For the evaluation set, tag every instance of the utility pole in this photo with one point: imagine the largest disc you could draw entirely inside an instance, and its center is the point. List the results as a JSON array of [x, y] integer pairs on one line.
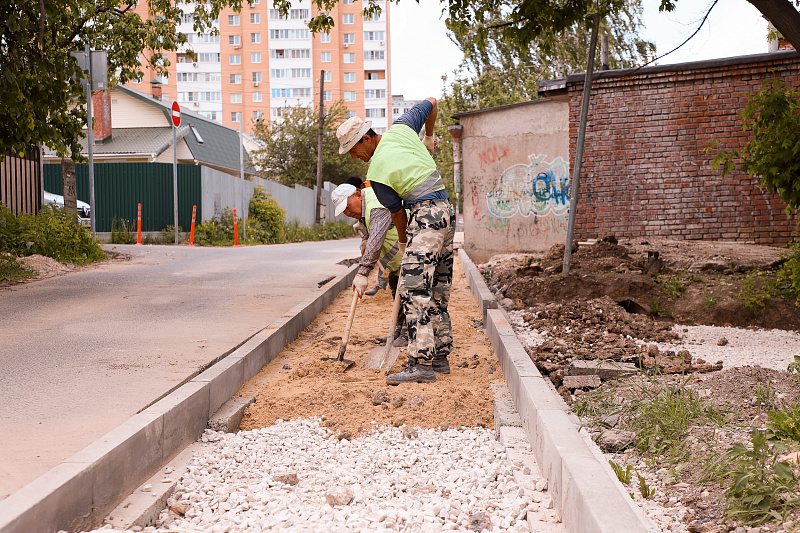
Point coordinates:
[[318, 218], [576, 173]]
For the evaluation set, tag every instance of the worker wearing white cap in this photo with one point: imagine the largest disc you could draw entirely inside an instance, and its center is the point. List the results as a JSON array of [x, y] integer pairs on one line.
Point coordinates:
[[380, 238], [403, 175]]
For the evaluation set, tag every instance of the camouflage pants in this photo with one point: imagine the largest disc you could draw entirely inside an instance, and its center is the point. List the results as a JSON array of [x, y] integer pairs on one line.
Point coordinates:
[[426, 274]]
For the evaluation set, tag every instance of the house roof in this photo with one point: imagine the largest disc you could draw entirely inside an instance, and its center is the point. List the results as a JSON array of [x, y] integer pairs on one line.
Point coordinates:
[[220, 146]]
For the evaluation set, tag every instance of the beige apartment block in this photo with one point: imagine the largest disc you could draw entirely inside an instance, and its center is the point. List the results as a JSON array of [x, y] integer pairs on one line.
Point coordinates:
[[261, 63]]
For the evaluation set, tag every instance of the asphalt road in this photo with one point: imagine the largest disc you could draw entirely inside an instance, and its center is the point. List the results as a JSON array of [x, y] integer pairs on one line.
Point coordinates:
[[81, 353]]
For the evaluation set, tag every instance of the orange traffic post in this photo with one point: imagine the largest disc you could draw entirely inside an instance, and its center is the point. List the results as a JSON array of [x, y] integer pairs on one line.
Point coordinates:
[[191, 235], [139, 226], [235, 230]]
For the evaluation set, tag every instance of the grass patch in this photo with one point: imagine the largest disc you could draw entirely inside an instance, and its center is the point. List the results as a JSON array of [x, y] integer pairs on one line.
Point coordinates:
[[12, 270]]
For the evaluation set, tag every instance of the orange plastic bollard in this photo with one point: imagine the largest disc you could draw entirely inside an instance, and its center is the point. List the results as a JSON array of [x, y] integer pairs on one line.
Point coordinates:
[[139, 226], [235, 230], [191, 235]]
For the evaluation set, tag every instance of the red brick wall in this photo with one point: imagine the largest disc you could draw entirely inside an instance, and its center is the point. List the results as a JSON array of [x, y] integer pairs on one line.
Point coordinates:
[[644, 170]]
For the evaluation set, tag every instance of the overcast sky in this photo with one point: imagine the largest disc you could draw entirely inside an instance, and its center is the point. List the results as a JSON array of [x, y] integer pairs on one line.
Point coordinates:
[[421, 52]]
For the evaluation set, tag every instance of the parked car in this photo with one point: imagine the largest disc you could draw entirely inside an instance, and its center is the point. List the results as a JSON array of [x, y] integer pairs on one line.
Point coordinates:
[[84, 210]]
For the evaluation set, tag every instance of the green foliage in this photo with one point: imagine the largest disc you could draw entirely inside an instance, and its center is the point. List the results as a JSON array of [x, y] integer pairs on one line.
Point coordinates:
[[646, 491], [661, 416], [711, 300], [672, 286], [265, 223], [765, 395], [789, 274], [785, 424], [758, 287], [624, 475], [12, 270], [763, 488], [53, 233], [290, 150], [43, 80], [121, 232], [657, 310], [794, 367], [295, 232], [772, 118], [218, 231]]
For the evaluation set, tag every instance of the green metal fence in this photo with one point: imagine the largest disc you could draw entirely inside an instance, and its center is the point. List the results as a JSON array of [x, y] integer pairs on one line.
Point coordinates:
[[119, 187]]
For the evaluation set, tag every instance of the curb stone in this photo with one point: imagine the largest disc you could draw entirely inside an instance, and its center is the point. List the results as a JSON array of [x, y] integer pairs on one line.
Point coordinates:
[[587, 497]]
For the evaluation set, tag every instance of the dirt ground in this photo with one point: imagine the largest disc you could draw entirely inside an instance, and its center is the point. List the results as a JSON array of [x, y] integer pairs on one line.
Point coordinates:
[[618, 292], [297, 384]]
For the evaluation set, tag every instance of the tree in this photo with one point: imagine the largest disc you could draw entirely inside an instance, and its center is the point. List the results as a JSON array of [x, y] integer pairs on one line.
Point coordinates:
[[40, 86], [289, 155], [772, 117]]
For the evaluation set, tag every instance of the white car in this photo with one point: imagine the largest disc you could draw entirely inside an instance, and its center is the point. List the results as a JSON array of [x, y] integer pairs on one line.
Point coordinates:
[[84, 210]]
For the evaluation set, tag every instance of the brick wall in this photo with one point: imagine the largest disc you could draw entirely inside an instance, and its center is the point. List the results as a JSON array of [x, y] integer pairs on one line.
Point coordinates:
[[645, 172], [101, 112]]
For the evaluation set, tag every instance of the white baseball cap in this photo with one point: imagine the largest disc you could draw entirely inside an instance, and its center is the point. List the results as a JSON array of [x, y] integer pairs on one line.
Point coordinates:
[[339, 197], [350, 132]]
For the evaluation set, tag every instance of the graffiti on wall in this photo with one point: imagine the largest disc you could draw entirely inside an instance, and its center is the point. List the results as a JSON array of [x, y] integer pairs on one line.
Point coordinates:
[[538, 189]]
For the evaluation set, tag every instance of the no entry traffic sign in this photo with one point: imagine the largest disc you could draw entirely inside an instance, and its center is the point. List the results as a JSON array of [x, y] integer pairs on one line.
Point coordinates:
[[176, 114]]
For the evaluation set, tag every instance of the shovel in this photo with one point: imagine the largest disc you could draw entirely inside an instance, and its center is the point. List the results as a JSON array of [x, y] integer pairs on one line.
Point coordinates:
[[383, 357], [340, 359]]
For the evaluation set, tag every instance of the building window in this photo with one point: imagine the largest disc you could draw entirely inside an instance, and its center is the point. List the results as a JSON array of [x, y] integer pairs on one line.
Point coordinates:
[[289, 34], [372, 76], [375, 113], [255, 38], [235, 59], [349, 58], [349, 77], [257, 115], [349, 38], [373, 55], [255, 57], [328, 77], [374, 36], [327, 96], [324, 37], [256, 77], [236, 79], [236, 116], [347, 2], [349, 114], [326, 57], [277, 112], [373, 94], [349, 96], [208, 57], [255, 18], [234, 40], [375, 17], [348, 18], [233, 20], [236, 98], [257, 96]]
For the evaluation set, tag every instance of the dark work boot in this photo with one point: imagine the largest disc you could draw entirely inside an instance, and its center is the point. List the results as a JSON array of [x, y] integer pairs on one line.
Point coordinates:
[[441, 365], [412, 374]]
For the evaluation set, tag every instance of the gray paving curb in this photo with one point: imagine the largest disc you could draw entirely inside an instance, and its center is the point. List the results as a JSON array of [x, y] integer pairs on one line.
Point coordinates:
[[588, 499], [77, 494]]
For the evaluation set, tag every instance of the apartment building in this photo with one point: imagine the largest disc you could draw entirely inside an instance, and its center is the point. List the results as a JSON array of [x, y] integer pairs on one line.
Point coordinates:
[[260, 63]]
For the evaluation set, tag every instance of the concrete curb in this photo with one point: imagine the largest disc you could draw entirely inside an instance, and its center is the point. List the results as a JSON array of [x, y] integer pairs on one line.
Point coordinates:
[[588, 499], [77, 494]]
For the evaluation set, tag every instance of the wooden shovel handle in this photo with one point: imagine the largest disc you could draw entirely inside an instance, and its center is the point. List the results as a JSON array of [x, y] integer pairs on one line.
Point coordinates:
[[350, 316]]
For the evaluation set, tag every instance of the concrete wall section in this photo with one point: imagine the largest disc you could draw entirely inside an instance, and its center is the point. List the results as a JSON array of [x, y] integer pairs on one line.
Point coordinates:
[[516, 178]]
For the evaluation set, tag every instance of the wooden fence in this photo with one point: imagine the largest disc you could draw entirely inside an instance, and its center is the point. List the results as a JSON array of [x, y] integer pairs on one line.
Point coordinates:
[[21, 181]]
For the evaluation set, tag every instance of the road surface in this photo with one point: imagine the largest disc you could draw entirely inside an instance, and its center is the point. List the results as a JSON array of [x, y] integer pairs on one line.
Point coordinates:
[[81, 353]]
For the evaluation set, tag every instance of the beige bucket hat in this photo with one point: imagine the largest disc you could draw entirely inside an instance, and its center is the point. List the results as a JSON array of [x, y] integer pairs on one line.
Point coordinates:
[[350, 132]]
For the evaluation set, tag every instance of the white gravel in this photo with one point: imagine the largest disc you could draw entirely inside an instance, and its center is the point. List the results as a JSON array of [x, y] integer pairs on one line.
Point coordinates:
[[399, 479], [773, 348]]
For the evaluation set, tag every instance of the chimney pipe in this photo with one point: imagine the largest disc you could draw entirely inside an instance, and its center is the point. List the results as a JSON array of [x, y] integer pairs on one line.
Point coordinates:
[[155, 89]]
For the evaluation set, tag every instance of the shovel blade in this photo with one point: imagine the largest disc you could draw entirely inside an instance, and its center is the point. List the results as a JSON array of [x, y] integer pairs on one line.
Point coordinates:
[[382, 357]]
